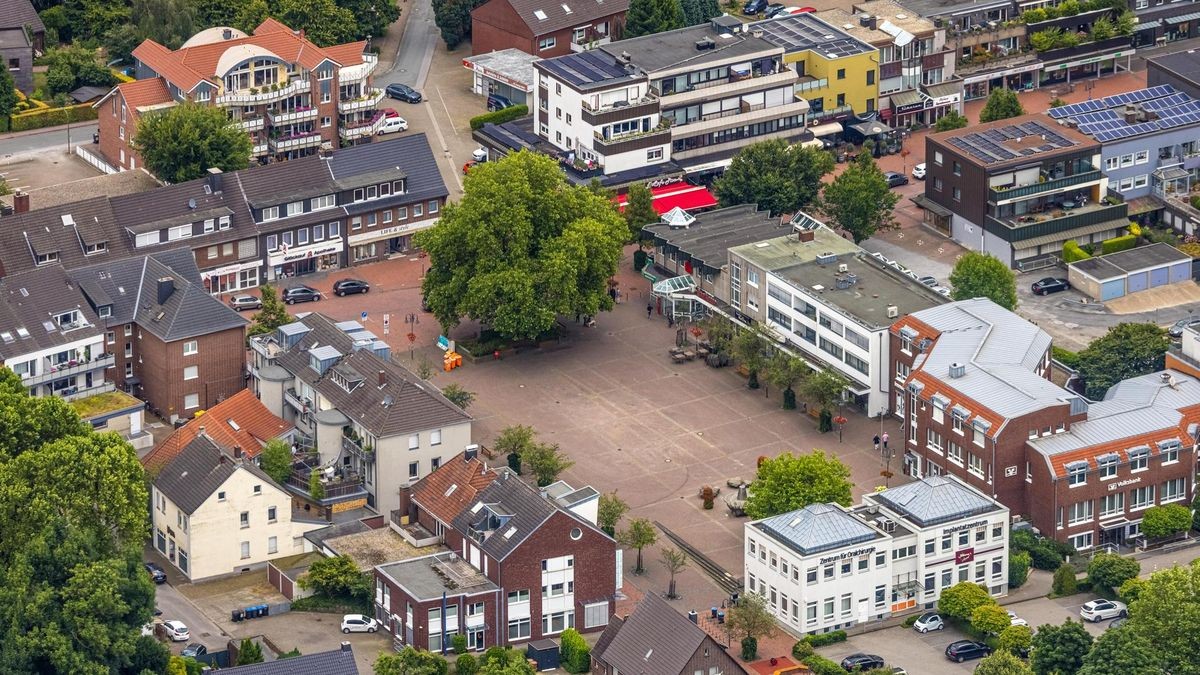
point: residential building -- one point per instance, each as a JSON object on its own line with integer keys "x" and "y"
{"x": 290, "y": 95}
{"x": 829, "y": 301}
{"x": 546, "y": 29}
{"x": 916, "y": 69}
{"x": 973, "y": 390}
{"x": 373, "y": 425}
{"x": 1018, "y": 189}
{"x": 520, "y": 564}
{"x": 1116, "y": 275}
{"x": 334, "y": 662}
{"x": 240, "y": 421}
{"x": 826, "y": 567}
{"x": 668, "y": 101}
{"x": 1185, "y": 357}
{"x": 1162, "y": 21}
{"x": 655, "y": 638}
{"x": 22, "y": 37}
{"x": 1180, "y": 70}
{"x": 838, "y": 74}
{"x": 214, "y": 513}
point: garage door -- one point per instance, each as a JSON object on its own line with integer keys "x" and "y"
{"x": 1137, "y": 281}
{"x": 1112, "y": 289}
{"x": 1181, "y": 272}
{"x": 1160, "y": 277}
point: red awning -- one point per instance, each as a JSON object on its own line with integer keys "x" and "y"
{"x": 683, "y": 195}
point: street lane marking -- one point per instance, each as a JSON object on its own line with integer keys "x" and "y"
{"x": 447, "y": 109}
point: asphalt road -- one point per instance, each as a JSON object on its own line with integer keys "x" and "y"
{"x": 415, "y": 51}
{"x": 176, "y": 607}
{"x": 45, "y": 140}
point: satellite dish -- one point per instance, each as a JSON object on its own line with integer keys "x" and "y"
{"x": 191, "y": 203}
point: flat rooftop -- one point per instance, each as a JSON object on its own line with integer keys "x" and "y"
{"x": 893, "y": 14}
{"x": 932, "y": 8}
{"x": 1014, "y": 140}
{"x": 800, "y": 32}
{"x": 513, "y": 64}
{"x": 674, "y": 48}
{"x": 1184, "y": 63}
{"x": 589, "y": 69}
{"x": 376, "y": 547}
{"x": 707, "y": 239}
{"x": 428, "y": 577}
{"x": 1133, "y": 260}
{"x": 102, "y": 404}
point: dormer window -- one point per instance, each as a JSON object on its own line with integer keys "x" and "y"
{"x": 223, "y": 223}
{"x": 68, "y": 320}
{"x": 179, "y": 232}
{"x": 399, "y": 187}
{"x": 270, "y": 213}
{"x": 93, "y": 249}
{"x": 47, "y": 258}
{"x": 104, "y": 311}
{"x": 295, "y": 208}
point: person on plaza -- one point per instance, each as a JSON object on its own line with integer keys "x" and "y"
{"x": 885, "y": 440}
{"x": 649, "y": 309}
{"x": 876, "y": 442}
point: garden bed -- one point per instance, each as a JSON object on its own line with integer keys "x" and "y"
{"x": 489, "y": 342}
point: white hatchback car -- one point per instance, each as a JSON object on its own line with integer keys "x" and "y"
{"x": 927, "y": 622}
{"x": 1016, "y": 620}
{"x": 392, "y": 125}
{"x": 1099, "y": 610}
{"x": 918, "y": 171}
{"x": 357, "y": 623}
{"x": 177, "y": 631}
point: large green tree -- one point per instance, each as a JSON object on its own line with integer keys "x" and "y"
{"x": 272, "y": 315}
{"x": 1059, "y": 650}
{"x": 69, "y": 68}
{"x": 336, "y": 577}
{"x": 1001, "y": 104}
{"x": 696, "y": 12}
{"x": 1166, "y": 615}
{"x": 950, "y": 121}
{"x": 961, "y": 600}
{"x": 8, "y": 95}
{"x": 1166, "y": 520}
{"x": 859, "y": 199}
{"x": 1122, "y": 650}
{"x": 1109, "y": 570}
{"x": 779, "y": 177}
{"x": 372, "y": 17}
{"x": 546, "y": 461}
{"x": 982, "y": 275}
{"x": 521, "y": 248}
{"x": 610, "y": 511}
{"x": 783, "y": 371}
{"x": 751, "y": 617}
{"x": 1002, "y": 663}
{"x": 453, "y": 19}
{"x": 322, "y": 21}
{"x": 183, "y": 142}
{"x": 1126, "y": 350}
{"x": 646, "y": 17}
{"x": 167, "y": 22}
{"x": 789, "y": 482}
{"x": 639, "y": 210}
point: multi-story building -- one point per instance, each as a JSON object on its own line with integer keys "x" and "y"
{"x": 831, "y": 301}
{"x": 622, "y": 648}
{"x": 213, "y": 513}
{"x": 1185, "y": 357}
{"x": 544, "y": 28}
{"x": 373, "y": 425}
{"x": 826, "y": 567}
{"x": 1163, "y": 21}
{"x": 1018, "y": 188}
{"x": 916, "y": 69}
{"x": 520, "y": 564}
{"x": 973, "y": 391}
{"x": 677, "y": 97}
{"x": 1181, "y": 69}
{"x": 290, "y": 95}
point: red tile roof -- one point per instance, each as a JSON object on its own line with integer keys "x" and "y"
{"x": 433, "y": 493}
{"x": 1059, "y": 462}
{"x": 255, "y": 426}
{"x": 145, "y": 92}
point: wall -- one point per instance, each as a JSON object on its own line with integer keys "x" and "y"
{"x": 160, "y": 366}
{"x": 392, "y": 457}
{"x": 393, "y": 613}
{"x": 1156, "y": 75}
{"x": 858, "y": 94}
{"x": 118, "y": 124}
{"x": 388, "y": 225}
{"x": 22, "y": 75}
{"x": 165, "y": 520}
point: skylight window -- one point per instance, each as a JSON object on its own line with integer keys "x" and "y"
{"x": 541, "y": 16}
{"x": 450, "y": 490}
{"x": 511, "y": 531}
{"x": 566, "y": 8}
{"x": 478, "y": 505}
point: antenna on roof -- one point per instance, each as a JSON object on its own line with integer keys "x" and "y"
{"x": 191, "y": 202}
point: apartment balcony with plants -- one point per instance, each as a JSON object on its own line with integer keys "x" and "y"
{"x": 292, "y": 114}
{"x": 354, "y": 127}
{"x": 359, "y": 71}
{"x": 267, "y": 93}
{"x": 324, "y": 485}
{"x": 290, "y": 139}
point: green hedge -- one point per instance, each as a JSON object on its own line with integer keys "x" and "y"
{"x": 499, "y": 117}
{"x": 1066, "y": 357}
{"x": 823, "y": 666}
{"x": 822, "y": 639}
{"x": 52, "y": 117}
{"x": 1122, "y": 243}
{"x": 1072, "y": 252}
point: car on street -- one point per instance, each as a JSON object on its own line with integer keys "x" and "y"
{"x": 918, "y": 171}
{"x": 391, "y": 125}
{"x": 942, "y": 290}
{"x": 928, "y": 281}
{"x": 403, "y": 92}
{"x": 357, "y": 623}
{"x": 1016, "y": 620}
{"x": 1176, "y": 331}
{"x": 194, "y": 649}
{"x": 300, "y": 294}
{"x": 156, "y": 573}
{"x": 928, "y": 621}
{"x": 176, "y": 630}
{"x": 243, "y": 301}
{"x": 497, "y": 102}
{"x": 350, "y": 287}
{"x": 754, "y": 7}
{"x": 774, "y": 9}
{"x": 895, "y": 179}
{"x": 965, "y": 650}
{"x": 1099, "y": 610}
{"x": 1050, "y": 285}
{"x": 897, "y": 670}
{"x": 862, "y": 662}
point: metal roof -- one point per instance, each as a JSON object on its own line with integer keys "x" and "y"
{"x": 936, "y": 500}
{"x": 817, "y": 528}
{"x": 804, "y": 31}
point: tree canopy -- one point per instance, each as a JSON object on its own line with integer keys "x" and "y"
{"x": 982, "y": 275}
{"x": 950, "y": 121}
{"x": 646, "y": 17}
{"x": 453, "y": 19}
{"x": 1002, "y": 663}
{"x": 751, "y": 617}
{"x": 1122, "y": 650}
{"x": 639, "y": 210}
{"x": 1001, "y": 104}
{"x": 1059, "y": 650}
{"x": 409, "y": 661}
{"x": 638, "y": 535}
{"x": 183, "y": 142}
{"x": 789, "y": 482}
{"x": 272, "y": 315}
{"x": 1110, "y": 570}
{"x": 859, "y": 199}
{"x": 1127, "y": 350}
{"x": 961, "y": 600}
{"x": 610, "y": 511}
{"x": 779, "y": 177}
{"x": 75, "y": 66}
{"x": 521, "y": 248}
{"x": 1166, "y": 615}
{"x": 276, "y": 460}
{"x": 696, "y": 12}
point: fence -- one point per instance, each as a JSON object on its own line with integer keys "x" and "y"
{"x": 95, "y": 160}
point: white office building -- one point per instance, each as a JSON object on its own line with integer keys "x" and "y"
{"x": 826, "y": 567}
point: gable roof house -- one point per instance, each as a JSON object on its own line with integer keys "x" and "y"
{"x": 22, "y": 37}
{"x": 546, "y": 28}
{"x": 334, "y": 662}
{"x": 657, "y": 639}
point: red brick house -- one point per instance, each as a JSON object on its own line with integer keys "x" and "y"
{"x": 546, "y": 28}
{"x": 519, "y": 563}
{"x": 118, "y": 115}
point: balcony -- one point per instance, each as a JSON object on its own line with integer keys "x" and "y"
{"x": 252, "y": 123}
{"x": 355, "y": 447}
{"x": 293, "y": 399}
{"x": 369, "y": 101}
{"x": 75, "y": 393}
{"x": 621, "y": 110}
{"x": 1021, "y": 228}
{"x": 358, "y": 71}
{"x": 977, "y": 64}
{"x": 363, "y": 129}
{"x": 590, "y": 41}
{"x": 608, "y": 147}
{"x": 338, "y": 484}
{"x": 1045, "y": 187}
{"x": 412, "y": 532}
{"x": 71, "y": 368}
{"x": 259, "y": 150}
{"x": 291, "y": 116}
{"x": 296, "y": 142}
{"x": 716, "y": 89}
{"x": 259, "y": 96}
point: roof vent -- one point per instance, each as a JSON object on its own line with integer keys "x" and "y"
{"x": 893, "y": 311}
{"x": 843, "y": 268}
{"x": 957, "y": 370}
{"x": 887, "y": 524}
{"x": 625, "y": 57}
{"x": 704, "y": 44}
{"x": 826, "y": 258}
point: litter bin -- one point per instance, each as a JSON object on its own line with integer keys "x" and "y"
{"x": 238, "y": 615}
{"x": 250, "y": 612}
{"x": 266, "y": 610}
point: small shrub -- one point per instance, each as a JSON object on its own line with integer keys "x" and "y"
{"x": 459, "y": 644}
{"x": 1166, "y": 521}
{"x": 823, "y": 666}
{"x": 1121, "y": 243}
{"x": 802, "y": 650}
{"x": 749, "y": 648}
{"x": 466, "y": 665}
{"x": 1019, "y": 563}
{"x": 823, "y": 639}
{"x": 1195, "y": 201}
{"x": 499, "y": 117}
{"x": 1064, "y": 581}
{"x": 1072, "y": 252}
{"x": 1066, "y": 357}
{"x": 912, "y": 618}
{"x": 576, "y": 655}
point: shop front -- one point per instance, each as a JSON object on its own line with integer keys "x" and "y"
{"x": 238, "y": 277}
{"x": 296, "y": 261}
{"x": 1017, "y": 78}
{"x": 906, "y": 107}
{"x": 940, "y": 99}
{"x": 371, "y": 246}
{"x": 1092, "y": 67}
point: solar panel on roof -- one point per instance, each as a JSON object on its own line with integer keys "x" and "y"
{"x": 1167, "y": 101}
{"x": 1187, "y": 107}
{"x": 1089, "y": 118}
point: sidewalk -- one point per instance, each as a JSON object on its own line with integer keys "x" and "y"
{"x": 388, "y": 45}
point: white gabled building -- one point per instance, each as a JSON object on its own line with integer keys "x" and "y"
{"x": 825, "y": 567}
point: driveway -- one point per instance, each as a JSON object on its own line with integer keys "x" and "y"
{"x": 312, "y": 632}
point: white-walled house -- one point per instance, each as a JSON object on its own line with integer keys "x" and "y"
{"x": 213, "y": 513}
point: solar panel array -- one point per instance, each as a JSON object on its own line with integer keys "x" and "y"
{"x": 588, "y": 67}
{"x": 805, "y": 31}
{"x": 1102, "y": 119}
{"x": 1167, "y": 101}
{"x": 992, "y": 145}
{"x": 1096, "y": 105}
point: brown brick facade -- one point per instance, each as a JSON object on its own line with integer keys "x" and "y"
{"x": 495, "y": 25}
{"x": 117, "y": 125}
{"x": 219, "y": 362}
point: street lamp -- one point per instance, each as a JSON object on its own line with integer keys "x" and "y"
{"x": 411, "y": 320}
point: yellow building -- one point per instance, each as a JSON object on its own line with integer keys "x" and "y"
{"x": 839, "y": 74}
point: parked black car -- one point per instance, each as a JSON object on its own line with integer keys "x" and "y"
{"x": 156, "y": 573}
{"x": 1050, "y": 285}
{"x": 965, "y": 650}
{"x": 754, "y": 7}
{"x": 497, "y": 102}
{"x": 300, "y": 294}
{"x": 403, "y": 92}
{"x": 862, "y": 662}
{"x": 895, "y": 179}
{"x": 350, "y": 287}
{"x": 194, "y": 649}
{"x": 773, "y": 10}
{"x": 1176, "y": 330}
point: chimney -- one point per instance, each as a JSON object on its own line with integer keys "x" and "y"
{"x": 345, "y": 646}
{"x": 808, "y": 235}
{"x": 237, "y": 452}
{"x": 214, "y": 180}
{"x": 20, "y": 202}
{"x": 873, "y": 22}
{"x": 166, "y": 286}
{"x": 227, "y": 34}
{"x": 382, "y": 378}
{"x": 223, "y": 459}
{"x": 957, "y": 370}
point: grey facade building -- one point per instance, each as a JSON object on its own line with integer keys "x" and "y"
{"x": 22, "y": 36}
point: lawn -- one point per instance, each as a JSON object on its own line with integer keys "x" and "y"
{"x": 103, "y": 403}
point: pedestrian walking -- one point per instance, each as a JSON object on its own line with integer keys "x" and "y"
{"x": 649, "y": 309}
{"x": 876, "y": 442}
{"x": 885, "y": 440}
{"x": 670, "y": 321}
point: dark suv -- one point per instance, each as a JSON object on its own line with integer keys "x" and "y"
{"x": 753, "y": 7}
{"x": 1050, "y": 285}
{"x": 862, "y": 662}
{"x": 156, "y": 573}
{"x": 300, "y": 294}
{"x": 403, "y": 92}
{"x": 350, "y": 287}
{"x": 965, "y": 650}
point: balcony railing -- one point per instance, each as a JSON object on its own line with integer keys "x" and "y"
{"x": 1015, "y": 231}
{"x": 295, "y": 142}
{"x": 366, "y": 454}
{"x": 369, "y": 101}
{"x": 291, "y": 116}
{"x": 1054, "y": 185}
{"x": 260, "y": 149}
{"x": 589, "y": 42}
{"x": 293, "y": 399}
{"x": 57, "y": 372}
{"x": 261, "y": 96}
{"x": 365, "y": 129}
{"x": 615, "y": 146}
{"x": 76, "y": 393}
{"x": 334, "y": 489}
{"x": 252, "y": 123}
{"x": 647, "y": 105}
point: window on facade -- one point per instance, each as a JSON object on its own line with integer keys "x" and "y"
{"x": 1077, "y": 473}
{"x": 191, "y": 401}
{"x": 975, "y": 464}
{"x": 191, "y": 372}
{"x": 1141, "y": 498}
{"x": 1081, "y": 542}
{"x": 271, "y": 513}
{"x": 954, "y": 453}
{"x": 1107, "y": 465}
{"x": 1080, "y": 512}
{"x": 1172, "y": 491}
{"x": 270, "y": 213}
{"x": 1139, "y": 459}
{"x": 245, "y": 550}
{"x": 1169, "y": 451}
{"x": 1112, "y": 503}
{"x": 244, "y": 519}
{"x": 414, "y": 441}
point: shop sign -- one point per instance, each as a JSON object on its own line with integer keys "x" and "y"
{"x": 964, "y": 556}
{"x": 484, "y": 71}
{"x": 848, "y": 554}
{"x": 1090, "y": 59}
{"x": 966, "y": 526}
{"x": 910, "y": 107}
{"x": 1123, "y": 483}
{"x": 293, "y": 255}
{"x": 389, "y": 232}
{"x": 942, "y": 100}
{"x": 232, "y": 269}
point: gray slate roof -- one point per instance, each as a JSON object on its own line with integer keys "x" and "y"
{"x": 508, "y": 495}
{"x": 558, "y": 17}
{"x": 30, "y": 299}
{"x": 191, "y": 478}
{"x": 20, "y": 13}
{"x": 653, "y": 639}
{"x": 936, "y": 500}
{"x": 816, "y": 528}
{"x": 708, "y": 239}
{"x": 334, "y": 662}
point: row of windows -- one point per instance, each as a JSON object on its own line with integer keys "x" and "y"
{"x": 386, "y": 216}
{"x": 322, "y": 202}
{"x": 1138, "y": 460}
{"x": 1173, "y": 490}
{"x": 300, "y": 237}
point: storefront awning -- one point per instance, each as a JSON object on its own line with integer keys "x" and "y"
{"x": 903, "y": 98}
{"x": 928, "y": 204}
{"x": 1182, "y": 18}
{"x": 828, "y": 129}
{"x": 1148, "y": 25}
{"x": 678, "y": 195}
{"x": 1114, "y": 523}
{"x": 943, "y": 89}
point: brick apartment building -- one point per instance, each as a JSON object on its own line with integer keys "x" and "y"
{"x": 290, "y": 95}
{"x": 973, "y": 389}
{"x": 546, "y": 28}
{"x": 519, "y": 563}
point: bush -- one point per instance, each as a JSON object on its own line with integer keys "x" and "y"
{"x": 823, "y": 639}
{"x": 576, "y": 655}
{"x": 459, "y": 644}
{"x": 499, "y": 117}
{"x": 990, "y": 619}
{"x": 823, "y": 666}
{"x": 51, "y": 117}
{"x": 1109, "y": 570}
{"x": 1121, "y": 243}
{"x": 1072, "y": 252}
{"x": 466, "y": 665}
{"x": 1018, "y": 568}
{"x": 1195, "y": 200}
{"x": 912, "y": 618}
{"x": 1130, "y": 590}
{"x": 1165, "y": 521}
{"x": 961, "y": 599}
{"x": 749, "y": 648}
{"x": 1046, "y": 553}
{"x": 802, "y": 650}
{"x": 1064, "y": 581}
